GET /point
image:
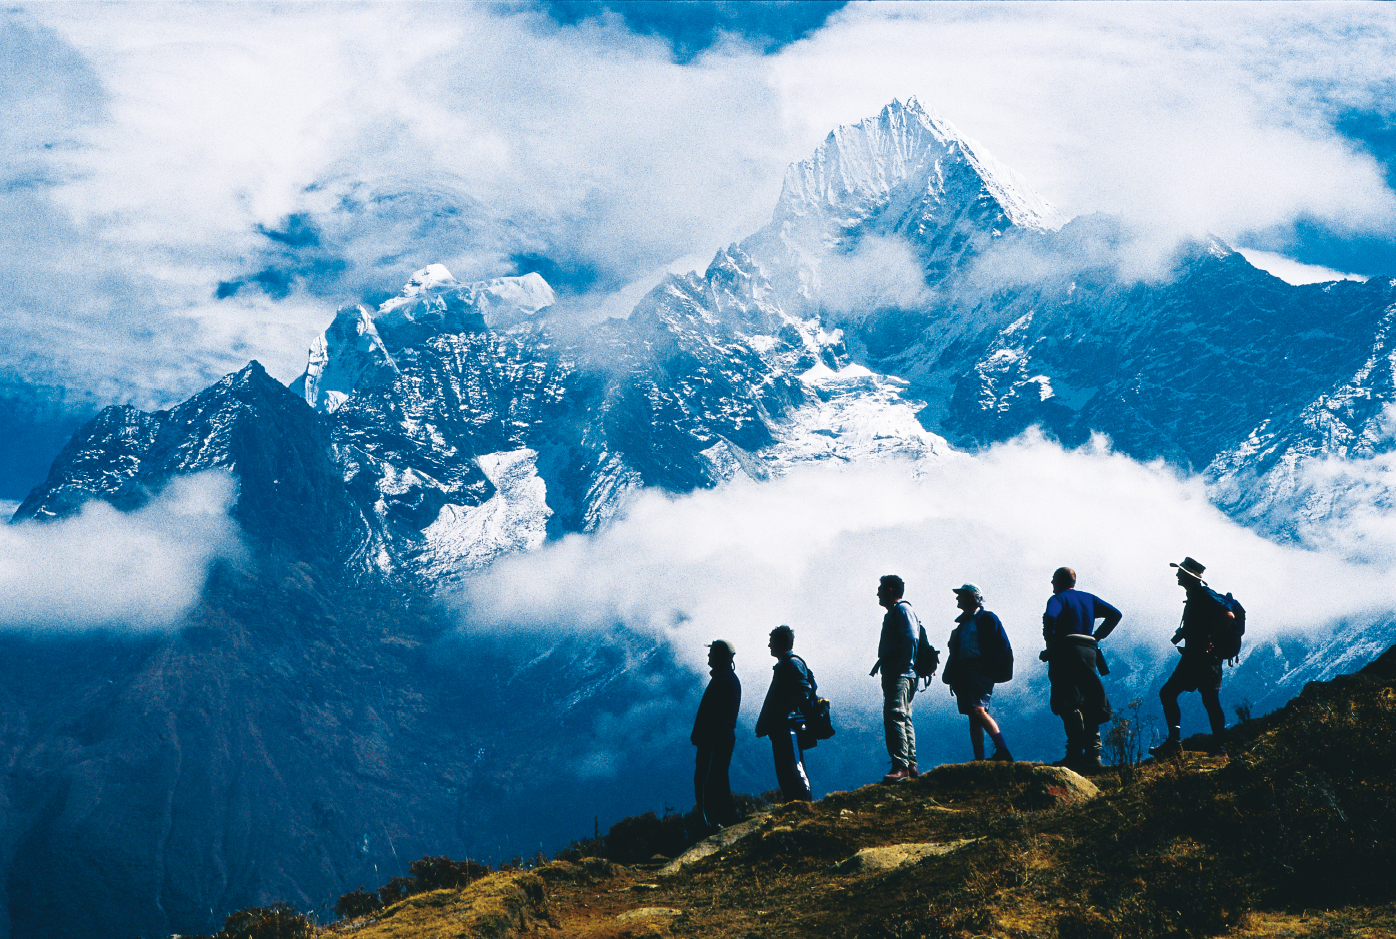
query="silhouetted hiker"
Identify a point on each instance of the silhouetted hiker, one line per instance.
(1073, 661)
(784, 712)
(715, 735)
(980, 655)
(896, 659)
(1201, 666)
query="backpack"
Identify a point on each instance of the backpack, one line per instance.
(819, 725)
(999, 668)
(927, 658)
(1226, 631)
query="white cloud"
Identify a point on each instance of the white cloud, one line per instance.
(102, 569)
(1197, 117)
(807, 550)
(1292, 271)
(467, 133)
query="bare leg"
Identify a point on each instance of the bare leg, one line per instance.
(976, 737)
(985, 721)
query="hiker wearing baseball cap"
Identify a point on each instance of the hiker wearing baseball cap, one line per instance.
(980, 656)
(715, 736)
(1201, 666)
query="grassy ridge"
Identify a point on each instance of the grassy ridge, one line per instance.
(1292, 837)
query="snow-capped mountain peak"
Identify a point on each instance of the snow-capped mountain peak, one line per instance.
(359, 344)
(907, 151)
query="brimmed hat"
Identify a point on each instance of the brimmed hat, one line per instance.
(968, 588)
(722, 645)
(1189, 566)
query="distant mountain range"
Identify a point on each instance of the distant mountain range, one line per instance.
(909, 295)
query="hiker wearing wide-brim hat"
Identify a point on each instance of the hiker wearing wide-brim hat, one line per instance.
(715, 736)
(1200, 669)
(980, 656)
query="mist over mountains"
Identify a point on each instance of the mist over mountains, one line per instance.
(482, 538)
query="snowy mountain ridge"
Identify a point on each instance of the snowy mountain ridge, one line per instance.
(467, 420)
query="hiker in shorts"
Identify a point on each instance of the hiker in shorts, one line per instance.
(715, 736)
(980, 656)
(896, 659)
(1201, 666)
(1074, 666)
(785, 712)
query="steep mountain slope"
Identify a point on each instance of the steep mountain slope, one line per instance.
(294, 740)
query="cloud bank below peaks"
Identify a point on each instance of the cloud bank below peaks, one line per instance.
(104, 569)
(807, 550)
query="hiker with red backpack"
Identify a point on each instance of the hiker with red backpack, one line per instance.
(1211, 632)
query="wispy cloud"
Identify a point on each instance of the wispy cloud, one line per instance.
(102, 569)
(162, 148)
(807, 550)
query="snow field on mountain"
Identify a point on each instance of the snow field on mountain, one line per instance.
(515, 518)
(807, 548)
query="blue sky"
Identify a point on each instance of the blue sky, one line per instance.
(188, 186)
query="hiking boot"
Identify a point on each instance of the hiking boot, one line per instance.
(1218, 749)
(1070, 760)
(1089, 764)
(1001, 755)
(913, 771)
(898, 774)
(1166, 749)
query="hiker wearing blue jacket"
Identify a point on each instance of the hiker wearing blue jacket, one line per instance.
(715, 736)
(1201, 666)
(785, 712)
(980, 656)
(896, 659)
(1074, 666)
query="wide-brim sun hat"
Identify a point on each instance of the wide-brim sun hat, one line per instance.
(967, 588)
(1190, 566)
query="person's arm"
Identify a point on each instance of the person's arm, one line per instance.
(906, 639)
(702, 719)
(801, 690)
(1111, 616)
(731, 701)
(1049, 627)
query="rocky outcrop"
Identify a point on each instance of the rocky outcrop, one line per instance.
(890, 857)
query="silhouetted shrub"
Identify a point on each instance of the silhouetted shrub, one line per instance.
(397, 890)
(440, 873)
(357, 903)
(641, 837)
(278, 921)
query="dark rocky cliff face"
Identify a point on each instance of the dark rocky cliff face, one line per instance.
(291, 497)
(295, 740)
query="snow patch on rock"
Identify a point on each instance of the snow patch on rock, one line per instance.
(465, 538)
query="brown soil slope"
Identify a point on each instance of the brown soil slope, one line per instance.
(1293, 837)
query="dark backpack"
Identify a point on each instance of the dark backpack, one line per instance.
(998, 668)
(819, 725)
(927, 658)
(1226, 631)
